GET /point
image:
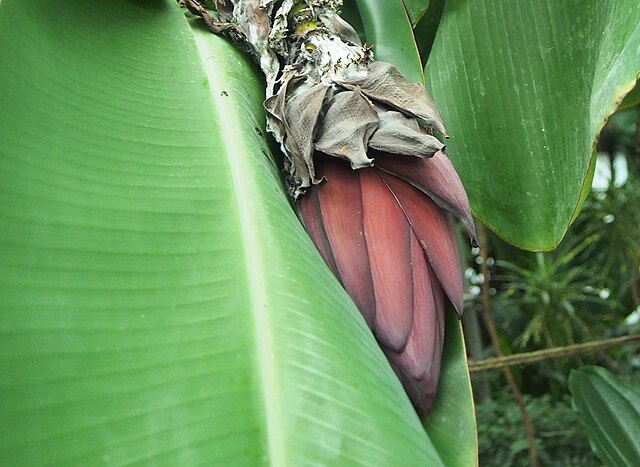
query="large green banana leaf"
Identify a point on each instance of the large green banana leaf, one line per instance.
(524, 88)
(159, 302)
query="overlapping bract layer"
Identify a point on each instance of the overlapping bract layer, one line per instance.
(386, 238)
(370, 108)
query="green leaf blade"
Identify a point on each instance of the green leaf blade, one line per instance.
(160, 301)
(524, 90)
(416, 9)
(451, 426)
(388, 28)
(632, 99)
(110, 249)
(609, 408)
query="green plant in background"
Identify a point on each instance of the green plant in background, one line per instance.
(551, 291)
(609, 409)
(159, 300)
(620, 136)
(581, 292)
(610, 226)
(560, 438)
(564, 297)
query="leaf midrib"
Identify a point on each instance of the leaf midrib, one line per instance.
(232, 140)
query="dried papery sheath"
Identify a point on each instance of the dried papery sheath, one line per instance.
(384, 229)
(324, 89)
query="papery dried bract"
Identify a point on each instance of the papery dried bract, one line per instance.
(340, 27)
(295, 122)
(301, 115)
(383, 83)
(399, 134)
(347, 127)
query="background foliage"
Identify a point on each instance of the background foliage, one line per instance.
(560, 437)
(583, 291)
(609, 408)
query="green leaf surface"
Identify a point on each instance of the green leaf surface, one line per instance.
(524, 89)
(427, 28)
(159, 302)
(416, 9)
(451, 425)
(586, 185)
(387, 28)
(632, 99)
(609, 408)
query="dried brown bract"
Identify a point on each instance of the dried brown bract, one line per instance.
(313, 60)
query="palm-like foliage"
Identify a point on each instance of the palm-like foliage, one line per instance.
(565, 293)
(553, 293)
(610, 226)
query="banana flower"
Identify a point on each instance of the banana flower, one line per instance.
(370, 181)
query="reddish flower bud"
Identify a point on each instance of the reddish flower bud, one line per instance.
(384, 235)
